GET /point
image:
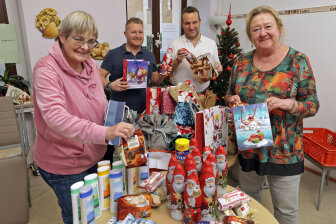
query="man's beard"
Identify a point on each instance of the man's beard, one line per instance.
(221, 165)
(191, 171)
(192, 201)
(209, 190)
(199, 166)
(170, 177)
(191, 190)
(178, 187)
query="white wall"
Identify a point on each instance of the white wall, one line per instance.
(110, 18)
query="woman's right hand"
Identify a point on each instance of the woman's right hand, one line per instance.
(233, 99)
(119, 85)
(122, 129)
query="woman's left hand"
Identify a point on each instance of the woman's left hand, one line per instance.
(276, 103)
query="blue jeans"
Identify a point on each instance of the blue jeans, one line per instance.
(61, 185)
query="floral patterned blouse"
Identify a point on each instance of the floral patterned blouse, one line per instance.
(292, 78)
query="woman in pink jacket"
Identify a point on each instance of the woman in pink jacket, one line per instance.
(69, 110)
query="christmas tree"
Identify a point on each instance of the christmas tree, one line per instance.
(228, 50)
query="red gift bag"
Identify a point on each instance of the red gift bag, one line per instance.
(199, 130)
(168, 103)
(153, 100)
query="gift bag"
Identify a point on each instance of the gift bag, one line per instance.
(253, 126)
(153, 100)
(209, 99)
(203, 68)
(199, 129)
(215, 127)
(135, 73)
(158, 130)
(185, 113)
(168, 104)
(114, 115)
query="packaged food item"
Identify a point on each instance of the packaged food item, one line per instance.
(134, 150)
(237, 220)
(137, 205)
(232, 199)
(153, 182)
(244, 211)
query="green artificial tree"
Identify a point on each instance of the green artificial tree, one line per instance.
(228, 50)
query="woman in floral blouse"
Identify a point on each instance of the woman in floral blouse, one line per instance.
(283, 78)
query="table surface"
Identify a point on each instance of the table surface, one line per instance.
(161, 214)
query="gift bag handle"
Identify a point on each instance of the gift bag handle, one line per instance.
(193, 107)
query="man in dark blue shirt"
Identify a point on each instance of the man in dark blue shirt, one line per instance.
(113, 64)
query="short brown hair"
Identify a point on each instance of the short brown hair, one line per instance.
(78, 22)
(190, 9)
(260, 10)
(133, 20)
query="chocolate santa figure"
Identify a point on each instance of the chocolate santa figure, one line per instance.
(189, 165)
(169, 177)
(209, 195)
(222, 167)
(192, 199)
(206, 151)
(197, 158)
(212, 159)
(176, 193)
(193, 144)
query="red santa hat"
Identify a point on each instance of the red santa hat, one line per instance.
(206, 164)
(194, 178)
(211, 158)
(206, 149)
(173, 161)
(220, 151)
(194, 143)
(206, 174)
(189, 164)
(179, 170)
(196, 152)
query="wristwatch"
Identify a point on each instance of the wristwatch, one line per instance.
(108, 85)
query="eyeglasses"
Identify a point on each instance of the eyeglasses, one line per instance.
(79, 42)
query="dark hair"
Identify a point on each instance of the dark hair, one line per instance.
(133, 20)
(190, 9)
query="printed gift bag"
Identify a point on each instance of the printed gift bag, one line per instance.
(253, 126)
(114, 115)
(215, 127)
(135, 73)
(153, 100)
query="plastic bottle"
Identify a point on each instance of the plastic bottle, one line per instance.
(104, 187)
(104, 163)
(86, 205)
(120, 165)
(92, 179)
(116, 189)
(76, 214)
(181, 149)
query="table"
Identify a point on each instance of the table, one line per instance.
(325, 170)
(161, 214)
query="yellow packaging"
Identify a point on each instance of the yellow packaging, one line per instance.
(181, 148)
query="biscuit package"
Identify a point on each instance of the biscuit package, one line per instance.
(100, 51)
(203, 68)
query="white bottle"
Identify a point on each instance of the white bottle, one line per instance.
(116, 189)
(92, 179)
(120, 165)
(86, 204)
(104, 187)
(76, 214)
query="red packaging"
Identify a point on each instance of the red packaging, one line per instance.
(236, 220)
(137, 205)
(134, 150)
(168, 103)
(153, 99)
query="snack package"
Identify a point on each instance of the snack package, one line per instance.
(137, 205)
(203, 68)
(153, 182)
(100, 51)
(47, 22)
(134, 152)
(237, 220)
(244, 211)
(232, 199)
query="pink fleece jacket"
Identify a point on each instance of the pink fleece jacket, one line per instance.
(69, 115)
